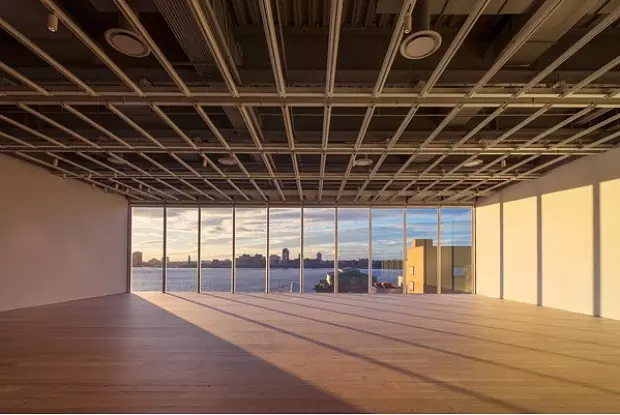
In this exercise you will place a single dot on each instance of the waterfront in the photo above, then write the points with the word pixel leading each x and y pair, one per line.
pixel 248 279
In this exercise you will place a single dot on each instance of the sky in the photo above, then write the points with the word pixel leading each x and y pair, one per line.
pixel 285 224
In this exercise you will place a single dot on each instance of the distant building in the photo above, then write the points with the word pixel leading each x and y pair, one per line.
pixel 319 257
pixel 285 255
pixel 189 259
pixel 136 259
pixel 274 259
pixel 421 276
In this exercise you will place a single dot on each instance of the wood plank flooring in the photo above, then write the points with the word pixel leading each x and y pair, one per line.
pixel 189 352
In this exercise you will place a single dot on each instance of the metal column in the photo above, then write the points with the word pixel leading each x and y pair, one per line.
pixel 129 248
pixel 335 249
pixel 301 259
pixel 165 252
pixel 405 289
pixel 473 251
pixel 233 265
pixel 267 255
pixel 198 260
pixel 369 250
pixel 439 250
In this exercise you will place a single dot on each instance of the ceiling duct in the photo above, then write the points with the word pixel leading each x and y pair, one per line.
pixel 125 40
pixel 187 33
pixel 422 42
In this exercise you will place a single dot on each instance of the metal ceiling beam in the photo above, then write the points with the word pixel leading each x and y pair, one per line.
pixel 26 81
pixel 452 149
pixel 59 157
pixel 90 44
pixel 562 157
pixel 575 47
pixel 503 137
pixel 135 22
pixel 261 99
pixel 272 45
pixel 416 152
pixel 290 136
pixel 46 57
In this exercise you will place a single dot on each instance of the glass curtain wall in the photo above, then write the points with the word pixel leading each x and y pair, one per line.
pixel 387 238
pixel 284 249
pixel 181 249
pixel 422 240
pixel 147 249
pixel 319 248
pixel 353 253
pixel 243 247
pixel 250 249
pixel 216 249
pixel 456 253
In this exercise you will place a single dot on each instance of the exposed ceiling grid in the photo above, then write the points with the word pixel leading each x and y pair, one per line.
pixel 418 125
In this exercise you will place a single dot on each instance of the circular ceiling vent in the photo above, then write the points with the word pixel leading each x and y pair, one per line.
pixel 420 44
pixel 127 42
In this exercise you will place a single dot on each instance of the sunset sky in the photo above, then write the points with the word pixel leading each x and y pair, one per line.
pixel 217 230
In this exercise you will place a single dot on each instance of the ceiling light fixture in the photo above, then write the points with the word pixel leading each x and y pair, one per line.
pixel 226 161
pixel 52 22
pixel 127 42
pixel 423 42
pixel 116 160
pixel 363 162
pixel 473 162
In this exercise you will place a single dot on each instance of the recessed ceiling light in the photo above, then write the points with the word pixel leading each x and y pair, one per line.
pixel 420 44
pixel 363 162
pixel 227 161
pixel 116 160
pixel 127 42
pixel 473 162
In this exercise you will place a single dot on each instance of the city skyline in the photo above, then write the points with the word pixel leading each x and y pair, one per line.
pixel 216 231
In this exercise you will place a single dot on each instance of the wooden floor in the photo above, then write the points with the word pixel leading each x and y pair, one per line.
pixel 312 353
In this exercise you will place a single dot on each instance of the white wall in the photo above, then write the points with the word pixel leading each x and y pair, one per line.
pixel 555 241
pixel 60 240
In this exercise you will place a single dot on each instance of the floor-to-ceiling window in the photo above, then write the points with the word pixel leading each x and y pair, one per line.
pixel 353 251
pixel 318 249
pixel 284 249
pixel 387 250
pixel 181 249
pixel 250 249
pixel 147 247
pixel 422 239
pixel 456 254
pixel 216 249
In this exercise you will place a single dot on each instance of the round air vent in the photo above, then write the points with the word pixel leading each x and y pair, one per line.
pixel 127 42
pixel 226 161
pixel 473 162
pixel 420 44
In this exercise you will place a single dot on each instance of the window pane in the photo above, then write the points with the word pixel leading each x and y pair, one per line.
pixel 181 249
pixel 216 237
pixel 421 251
pixel 250 248
pixel 318 249
pixel 147 247
pixel 284 249
pixel 456 241
pixel 353 250
pixel 387 250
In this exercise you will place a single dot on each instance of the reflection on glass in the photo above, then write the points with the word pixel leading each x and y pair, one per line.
pixel 456 238
pixel 353 250
pixel 284 249
pixel 181 249
pixel 387 250
pixel 250 249
pixel 318 249
pixel 216 245
pixel 147 247
pixel 421 269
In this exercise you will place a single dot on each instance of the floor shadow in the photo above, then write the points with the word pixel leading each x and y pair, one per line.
pixel 446 332
pixel 430 348
pixel 415 375
pixel 321 298
pixel 123 354
pixel 439 307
